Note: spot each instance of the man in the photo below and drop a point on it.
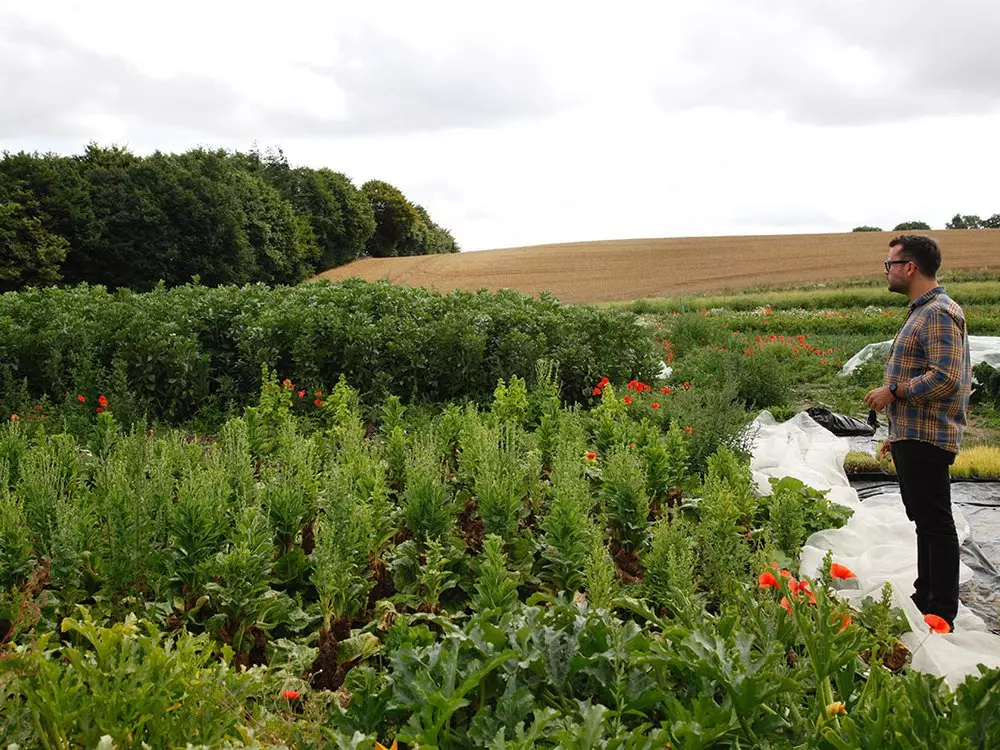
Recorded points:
(925, 394)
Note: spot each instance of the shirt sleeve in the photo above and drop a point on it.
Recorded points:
(943, 341)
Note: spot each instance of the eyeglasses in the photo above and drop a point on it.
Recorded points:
(888, 263)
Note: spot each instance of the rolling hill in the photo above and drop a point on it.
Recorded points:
(604, 271)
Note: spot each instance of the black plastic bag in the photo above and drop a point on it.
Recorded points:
(841, 424)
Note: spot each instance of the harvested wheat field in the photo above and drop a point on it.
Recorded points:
(583, 272)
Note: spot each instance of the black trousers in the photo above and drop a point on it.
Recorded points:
(925, 484)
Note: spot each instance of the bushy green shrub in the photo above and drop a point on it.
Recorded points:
(173, 354)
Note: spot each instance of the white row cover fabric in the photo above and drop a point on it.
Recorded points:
(878, 543)
(981, 349)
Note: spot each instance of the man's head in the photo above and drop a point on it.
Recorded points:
(913, 260)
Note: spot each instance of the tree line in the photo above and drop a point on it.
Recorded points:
(111, 217)
(958, 221)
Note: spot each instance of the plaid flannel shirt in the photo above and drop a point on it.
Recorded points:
(930, 355)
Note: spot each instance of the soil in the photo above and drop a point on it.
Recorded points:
(471, 526)
(325, 673)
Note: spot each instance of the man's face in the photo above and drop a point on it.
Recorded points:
(900, 271)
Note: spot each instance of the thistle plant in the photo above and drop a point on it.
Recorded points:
(666, 460)
(198, 524)
(601, 583)
(670, 563)
(493, 458)
(242, 579)
(345, 537)
(624, 499)
(568, 527)
(496, 586)
(510, 402)
(429, 509)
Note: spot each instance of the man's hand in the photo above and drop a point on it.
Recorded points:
(885, 448)
(878, 398)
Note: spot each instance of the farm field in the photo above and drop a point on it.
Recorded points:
(503, 527)
(590, 272)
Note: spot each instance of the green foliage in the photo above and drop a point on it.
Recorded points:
(30, 255)
(666, 459)
(600, 576)
(815, 512)
(395, 219)
(510, 403)
(786, 520)
(113, 218)
(567, 527)
(988, 379)
(867, 228)
(624, 498)
(131, 683)
(496, 586)
(493, 460)
(670, 563)
(429, 508)
(692, 331)
(191, 350)
(909, 226)
(345, 537)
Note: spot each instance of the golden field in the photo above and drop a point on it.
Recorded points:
(604, 271)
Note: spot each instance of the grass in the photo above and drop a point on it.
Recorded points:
(976, 462)
(818, 298)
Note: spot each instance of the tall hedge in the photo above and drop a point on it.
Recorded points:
(172, 353)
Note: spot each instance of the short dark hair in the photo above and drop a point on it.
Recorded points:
(923, 251)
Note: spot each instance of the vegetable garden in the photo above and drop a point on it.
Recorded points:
(337, 515)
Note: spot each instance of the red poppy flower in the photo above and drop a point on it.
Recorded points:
(689, 430)
(14, 417)
(604, 382)
(302, 393)
(687, 384)
(786, 605)
(654, 405)
(318, 394)
(767, 580)
(287, 383)
(102, 401)
(937, 624)
(99, 410)
(841, 571)
(596, 392)
(591, 456)
(292, 695)
(627, 399)
(665, 389)
(847, 621)
(38, 407)
(81, 398)
(318, 402)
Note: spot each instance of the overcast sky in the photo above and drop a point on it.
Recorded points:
(523, 123)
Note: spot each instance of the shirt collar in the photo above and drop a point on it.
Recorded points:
(927, 297)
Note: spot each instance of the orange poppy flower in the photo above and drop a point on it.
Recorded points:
(937, 624)
(841, 571)
(767, 580)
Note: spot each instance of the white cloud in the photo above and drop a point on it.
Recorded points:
(527, 123)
